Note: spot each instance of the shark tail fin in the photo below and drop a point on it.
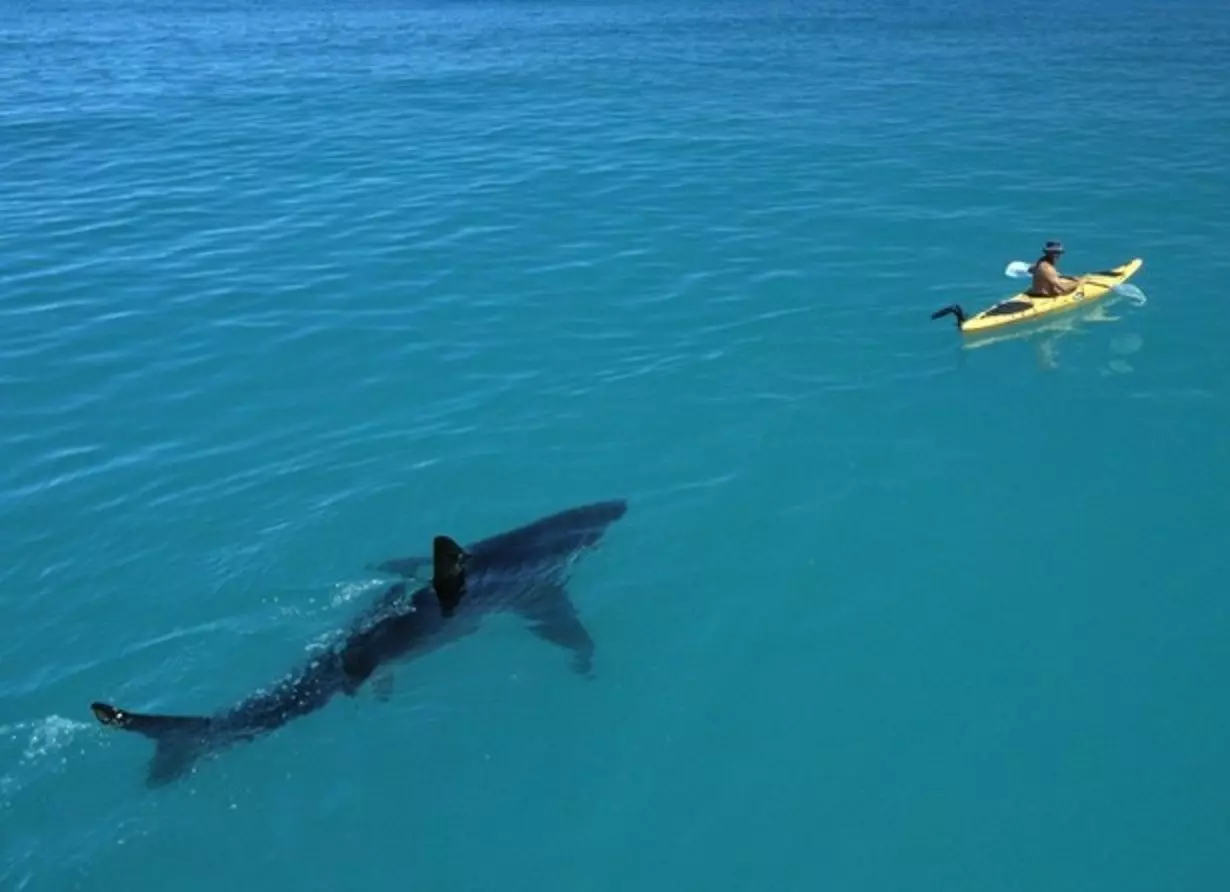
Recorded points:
(178, 740)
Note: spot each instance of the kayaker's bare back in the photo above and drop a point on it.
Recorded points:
(1047, 280)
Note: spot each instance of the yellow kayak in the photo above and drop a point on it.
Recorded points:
(1024, 308)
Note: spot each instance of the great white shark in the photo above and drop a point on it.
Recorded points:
(522, 571)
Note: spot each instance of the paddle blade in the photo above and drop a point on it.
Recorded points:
(1018, 269)
(1132, 293)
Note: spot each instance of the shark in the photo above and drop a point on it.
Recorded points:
(523, 571)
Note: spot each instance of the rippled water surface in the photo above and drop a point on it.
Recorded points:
(286, 290)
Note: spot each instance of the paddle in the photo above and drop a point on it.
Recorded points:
(1019, 269)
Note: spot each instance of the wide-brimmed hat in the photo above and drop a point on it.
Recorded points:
(1053, 248)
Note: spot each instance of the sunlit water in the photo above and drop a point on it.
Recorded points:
(288, 290)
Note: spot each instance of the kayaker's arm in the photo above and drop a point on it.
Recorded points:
(1054, 281)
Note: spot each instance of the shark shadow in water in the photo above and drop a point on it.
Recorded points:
(523, 571)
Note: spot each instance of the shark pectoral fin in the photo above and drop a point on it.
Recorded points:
(407, 568)
(553, 618)
(448, 575)
(382, 687)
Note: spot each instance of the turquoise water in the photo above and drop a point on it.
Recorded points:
(286, 290)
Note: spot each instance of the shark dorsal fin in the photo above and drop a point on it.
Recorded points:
(448, 575)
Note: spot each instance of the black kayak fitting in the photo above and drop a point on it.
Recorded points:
(954, 309)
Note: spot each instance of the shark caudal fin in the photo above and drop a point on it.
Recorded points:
(178, 740)
(448, 574)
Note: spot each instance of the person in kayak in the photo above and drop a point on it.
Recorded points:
(1047, 280)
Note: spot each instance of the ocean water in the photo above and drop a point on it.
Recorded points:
(288, 289)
